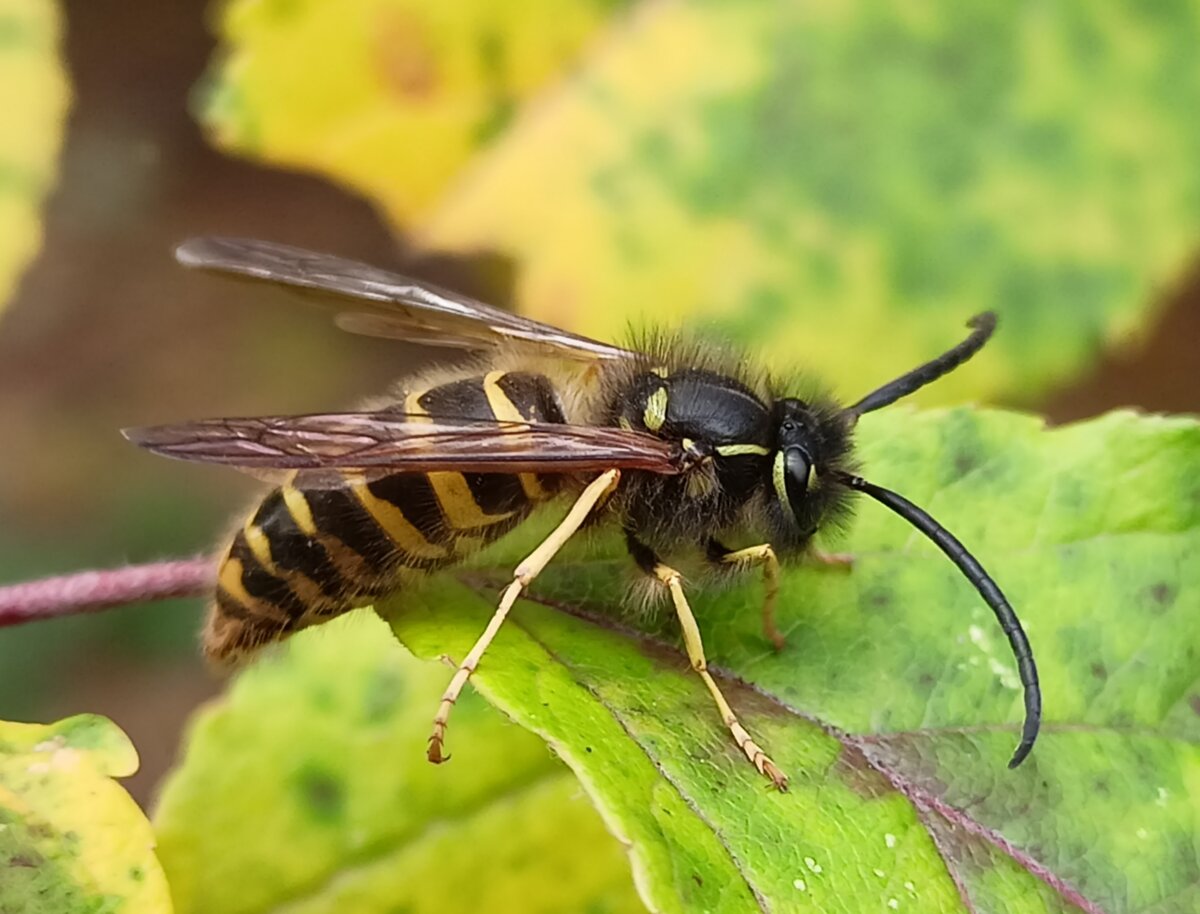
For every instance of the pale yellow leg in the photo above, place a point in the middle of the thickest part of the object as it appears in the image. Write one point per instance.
(695, 650)
(763, 555)
(599, 489)
(842, 560)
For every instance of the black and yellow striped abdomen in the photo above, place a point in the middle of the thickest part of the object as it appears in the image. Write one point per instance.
(322, 544)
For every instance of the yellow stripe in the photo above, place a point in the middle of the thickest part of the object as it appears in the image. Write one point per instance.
(259, 545)
(398, 527)
(349, 563)
(412, 404)
(458, 504)
(656, 410)
(740, 450)
(301, 585)
(506, 411)
(230, 579)
(297, 506)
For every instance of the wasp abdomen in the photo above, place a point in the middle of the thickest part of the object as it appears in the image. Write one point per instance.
(322, 544)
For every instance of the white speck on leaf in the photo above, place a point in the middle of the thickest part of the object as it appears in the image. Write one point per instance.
(1163, 793)
(1007, 675)
(889, 839)
(879, 873)
(812, 865)
(799, 884)
(893, 903)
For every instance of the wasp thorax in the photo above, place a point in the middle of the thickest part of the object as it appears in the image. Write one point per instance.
(700, 405)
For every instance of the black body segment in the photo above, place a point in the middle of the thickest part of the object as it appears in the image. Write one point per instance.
(311, 551)
(723, 426)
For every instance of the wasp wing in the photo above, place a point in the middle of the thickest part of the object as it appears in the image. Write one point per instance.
(376, 302)
(381, 443)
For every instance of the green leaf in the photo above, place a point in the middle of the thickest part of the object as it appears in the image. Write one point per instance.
(71, 839)
(851, 181)
(311, 776)
(34, 96)
(391, 97)
(895, 705)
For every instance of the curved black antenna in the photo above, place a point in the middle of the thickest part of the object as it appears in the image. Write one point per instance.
(983, 326)
(973, 571)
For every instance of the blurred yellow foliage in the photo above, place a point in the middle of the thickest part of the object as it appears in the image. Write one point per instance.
(391, 97)
(836, 186)
(34, 96)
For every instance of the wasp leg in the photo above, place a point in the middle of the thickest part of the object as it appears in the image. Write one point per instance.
(596, 492)
(745, 558)
(671, 579)
(843, 561)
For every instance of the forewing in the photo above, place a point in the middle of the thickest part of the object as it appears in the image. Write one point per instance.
(383, 443)
(380, 303)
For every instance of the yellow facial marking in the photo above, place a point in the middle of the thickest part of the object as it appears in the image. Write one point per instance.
(780, 480)
(656, 410)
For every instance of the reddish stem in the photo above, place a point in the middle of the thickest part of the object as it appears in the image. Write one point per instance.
(90, 591)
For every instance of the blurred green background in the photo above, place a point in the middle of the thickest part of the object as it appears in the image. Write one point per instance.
(106, 331)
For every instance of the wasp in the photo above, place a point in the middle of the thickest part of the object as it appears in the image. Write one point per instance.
(684, 445)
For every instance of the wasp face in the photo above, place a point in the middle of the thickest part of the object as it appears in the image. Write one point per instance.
(809, 440)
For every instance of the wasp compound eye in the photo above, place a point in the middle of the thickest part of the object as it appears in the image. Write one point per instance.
(797, 469)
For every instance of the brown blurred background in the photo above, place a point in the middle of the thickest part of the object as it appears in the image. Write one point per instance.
(106, 331)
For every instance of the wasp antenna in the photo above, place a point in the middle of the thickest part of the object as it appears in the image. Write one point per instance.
(988, 589)
(983, 326)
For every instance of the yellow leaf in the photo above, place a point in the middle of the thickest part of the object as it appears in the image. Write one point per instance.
(391, 97)
(34, 96)
(71, 839)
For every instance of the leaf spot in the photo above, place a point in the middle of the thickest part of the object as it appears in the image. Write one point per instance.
(893, 903)
(889, 839)
(799, 884)
(322, 794)
(812, 865)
